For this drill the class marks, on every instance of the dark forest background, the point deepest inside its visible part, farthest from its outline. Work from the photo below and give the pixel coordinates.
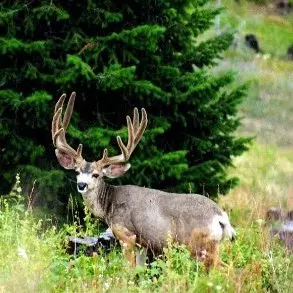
(117, 55)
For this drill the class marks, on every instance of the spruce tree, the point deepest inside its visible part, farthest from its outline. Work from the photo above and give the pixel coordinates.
(117, 55)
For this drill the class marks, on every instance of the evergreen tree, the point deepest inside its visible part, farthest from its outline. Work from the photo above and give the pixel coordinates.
(117, 55)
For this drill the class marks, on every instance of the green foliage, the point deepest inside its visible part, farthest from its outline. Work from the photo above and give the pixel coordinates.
(117, 55)
(33, 259)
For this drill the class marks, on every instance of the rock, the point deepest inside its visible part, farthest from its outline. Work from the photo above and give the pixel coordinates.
(90, 245)
(283, 6)
(290, 52)
(281, 225)
(286, 231)
(274, 214)
(252, 42)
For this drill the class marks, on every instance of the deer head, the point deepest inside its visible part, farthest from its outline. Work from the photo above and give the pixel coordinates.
(89, 173)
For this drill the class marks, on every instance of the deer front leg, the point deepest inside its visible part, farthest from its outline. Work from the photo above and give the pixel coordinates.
(127, 240)
(203, 249)
(212, 254)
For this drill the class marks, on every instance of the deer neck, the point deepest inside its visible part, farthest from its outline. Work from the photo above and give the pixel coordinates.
(98, 200)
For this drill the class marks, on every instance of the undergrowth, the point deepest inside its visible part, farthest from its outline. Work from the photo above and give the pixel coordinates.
(34, 259)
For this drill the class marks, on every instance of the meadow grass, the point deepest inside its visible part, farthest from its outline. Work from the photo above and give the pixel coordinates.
(267, 111)
(266, 176)
(273, 31)
(34, 259)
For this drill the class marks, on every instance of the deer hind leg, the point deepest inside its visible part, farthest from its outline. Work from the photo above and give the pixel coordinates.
(203, 249)
(127, 240)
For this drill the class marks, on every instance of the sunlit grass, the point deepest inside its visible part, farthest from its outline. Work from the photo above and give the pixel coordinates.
(267, 110)
(33, 256)
(273, 31)
(266, 176)
(33, 260)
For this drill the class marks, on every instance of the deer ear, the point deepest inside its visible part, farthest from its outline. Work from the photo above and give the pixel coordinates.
(65, 160)
(116, 170)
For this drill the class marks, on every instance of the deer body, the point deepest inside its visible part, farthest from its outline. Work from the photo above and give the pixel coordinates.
(152, 215)
(138, 215)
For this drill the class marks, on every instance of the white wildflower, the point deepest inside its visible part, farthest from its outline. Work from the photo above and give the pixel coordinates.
(266, 56)
(22, 253)
(260, 222)
(107, 285)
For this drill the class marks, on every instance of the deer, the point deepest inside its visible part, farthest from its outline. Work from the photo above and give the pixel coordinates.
(141, 218)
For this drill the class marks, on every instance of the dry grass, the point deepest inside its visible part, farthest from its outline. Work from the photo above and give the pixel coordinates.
(266, 175)
(33, 257)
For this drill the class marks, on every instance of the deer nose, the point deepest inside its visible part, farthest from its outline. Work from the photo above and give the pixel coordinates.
(81, 186)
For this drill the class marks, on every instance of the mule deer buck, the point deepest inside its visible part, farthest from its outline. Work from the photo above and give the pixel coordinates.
(138, 216)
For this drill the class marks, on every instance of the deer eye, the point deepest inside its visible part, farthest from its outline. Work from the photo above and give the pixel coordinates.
(95, 175)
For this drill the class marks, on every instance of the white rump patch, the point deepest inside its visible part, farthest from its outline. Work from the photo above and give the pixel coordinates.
(216, 229)
(221, 227)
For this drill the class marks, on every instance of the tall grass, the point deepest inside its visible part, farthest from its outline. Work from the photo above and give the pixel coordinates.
(267, 112)
(34, 259)
(266, 176)
(273, 31)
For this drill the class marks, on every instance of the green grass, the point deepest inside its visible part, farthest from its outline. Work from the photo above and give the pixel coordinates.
(273, 31)
(267, 111)
(33, 260)
(33, 256)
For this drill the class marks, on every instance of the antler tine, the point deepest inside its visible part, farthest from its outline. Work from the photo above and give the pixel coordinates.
(60, 102)
(69, 110)
(142, 126)
(130, 131)
(105, 154)
(79, 150)
(124, 150)
(135, 131)
(56, 124)
(135, 119)
(62, 144)
(59, 127)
